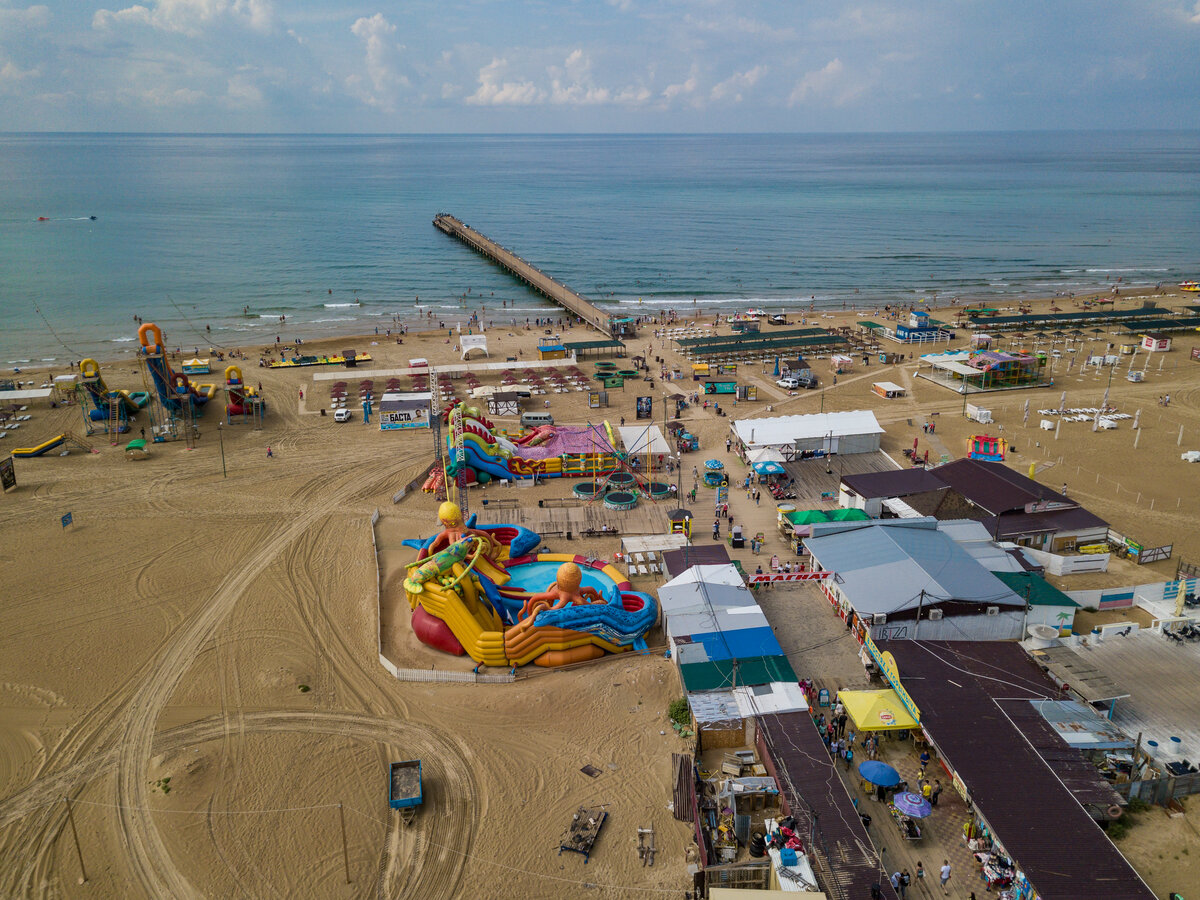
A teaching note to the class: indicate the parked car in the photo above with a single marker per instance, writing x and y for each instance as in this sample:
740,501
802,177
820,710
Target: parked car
342,415
790,383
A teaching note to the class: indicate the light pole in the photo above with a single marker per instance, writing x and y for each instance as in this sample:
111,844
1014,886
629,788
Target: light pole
221,441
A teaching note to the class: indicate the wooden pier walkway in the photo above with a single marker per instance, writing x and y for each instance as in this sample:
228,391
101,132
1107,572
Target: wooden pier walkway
533,276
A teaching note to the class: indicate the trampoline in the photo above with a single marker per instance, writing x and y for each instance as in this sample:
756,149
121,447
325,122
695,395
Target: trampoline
620,500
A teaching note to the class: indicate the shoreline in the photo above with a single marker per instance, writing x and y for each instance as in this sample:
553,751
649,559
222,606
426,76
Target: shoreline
123,350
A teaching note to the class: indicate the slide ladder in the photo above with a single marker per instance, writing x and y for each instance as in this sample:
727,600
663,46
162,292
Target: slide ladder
114,419
72,438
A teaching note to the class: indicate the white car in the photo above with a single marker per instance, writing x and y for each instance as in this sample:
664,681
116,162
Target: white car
342,415
790,383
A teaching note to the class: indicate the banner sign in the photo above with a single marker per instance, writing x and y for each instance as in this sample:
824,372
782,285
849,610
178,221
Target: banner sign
8,475
889,670
645,407
766,578
67,520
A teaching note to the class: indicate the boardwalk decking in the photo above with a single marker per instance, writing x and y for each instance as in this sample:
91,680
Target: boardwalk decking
551,287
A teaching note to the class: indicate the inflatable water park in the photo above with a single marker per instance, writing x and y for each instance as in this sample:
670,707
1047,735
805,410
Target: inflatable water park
546,451
485,592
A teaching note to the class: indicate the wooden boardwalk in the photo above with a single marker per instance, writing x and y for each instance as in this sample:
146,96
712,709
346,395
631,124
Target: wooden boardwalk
551,287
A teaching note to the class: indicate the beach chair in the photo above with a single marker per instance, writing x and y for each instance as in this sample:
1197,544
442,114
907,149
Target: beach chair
654,570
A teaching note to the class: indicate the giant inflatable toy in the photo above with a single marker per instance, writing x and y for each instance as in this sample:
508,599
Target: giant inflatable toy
485,593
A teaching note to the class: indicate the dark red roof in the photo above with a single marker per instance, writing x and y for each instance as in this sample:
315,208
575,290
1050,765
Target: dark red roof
894,483
811,789
993,486
679,561
958,686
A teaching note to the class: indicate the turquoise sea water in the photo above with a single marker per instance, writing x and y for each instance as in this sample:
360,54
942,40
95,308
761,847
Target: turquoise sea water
335,233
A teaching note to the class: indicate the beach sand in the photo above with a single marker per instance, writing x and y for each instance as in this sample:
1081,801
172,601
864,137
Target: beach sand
168,632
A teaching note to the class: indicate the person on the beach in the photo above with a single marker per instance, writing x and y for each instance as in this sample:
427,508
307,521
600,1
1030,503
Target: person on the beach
269,453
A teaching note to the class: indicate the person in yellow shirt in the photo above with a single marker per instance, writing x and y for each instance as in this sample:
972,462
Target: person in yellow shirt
926,790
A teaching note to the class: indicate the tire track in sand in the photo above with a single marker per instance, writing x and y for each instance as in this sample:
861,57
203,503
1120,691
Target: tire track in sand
151,862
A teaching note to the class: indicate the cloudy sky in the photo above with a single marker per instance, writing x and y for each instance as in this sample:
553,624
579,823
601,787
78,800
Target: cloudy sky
597,65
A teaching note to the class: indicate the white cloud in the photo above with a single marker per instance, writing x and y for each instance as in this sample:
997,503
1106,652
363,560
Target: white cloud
572,83
242,93
11,75
728,25
189,17
30,17
682,89
831,85
622,5
495,91
1195,18
163,96
382,57
732,87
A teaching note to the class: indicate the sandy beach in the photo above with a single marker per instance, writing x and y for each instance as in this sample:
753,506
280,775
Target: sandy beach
194,660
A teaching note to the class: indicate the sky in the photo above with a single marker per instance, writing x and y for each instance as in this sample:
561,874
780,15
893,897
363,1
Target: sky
597,66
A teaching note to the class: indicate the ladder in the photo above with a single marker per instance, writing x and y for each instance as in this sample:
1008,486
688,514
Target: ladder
114,418
460,458
76,440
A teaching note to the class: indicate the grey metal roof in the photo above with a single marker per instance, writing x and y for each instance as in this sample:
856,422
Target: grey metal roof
699,597
715,709
883,568
705,622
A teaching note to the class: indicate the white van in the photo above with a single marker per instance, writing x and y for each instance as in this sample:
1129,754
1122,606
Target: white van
536,419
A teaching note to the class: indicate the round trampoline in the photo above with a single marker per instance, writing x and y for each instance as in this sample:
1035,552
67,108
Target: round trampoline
628,373
658,490
585,492
620,500
621,480
604,366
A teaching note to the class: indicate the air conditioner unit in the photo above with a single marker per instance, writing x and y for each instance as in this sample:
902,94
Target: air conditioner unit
993,610
935,615
879,619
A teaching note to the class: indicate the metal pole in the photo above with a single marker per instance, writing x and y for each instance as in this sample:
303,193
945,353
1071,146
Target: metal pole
345,852
75,834
221,440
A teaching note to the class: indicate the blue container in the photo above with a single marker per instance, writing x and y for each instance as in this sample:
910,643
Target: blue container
787,856
404,784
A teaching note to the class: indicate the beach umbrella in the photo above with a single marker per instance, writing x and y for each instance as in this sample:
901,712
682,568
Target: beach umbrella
765,454
912,804
714,464
1076,333
769,468
1040,334
879,773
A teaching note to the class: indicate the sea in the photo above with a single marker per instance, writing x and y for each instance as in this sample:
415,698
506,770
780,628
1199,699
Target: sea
232,240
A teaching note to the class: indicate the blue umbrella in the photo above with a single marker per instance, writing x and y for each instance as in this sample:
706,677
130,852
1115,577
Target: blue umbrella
912,804
879,773
769,468
714,464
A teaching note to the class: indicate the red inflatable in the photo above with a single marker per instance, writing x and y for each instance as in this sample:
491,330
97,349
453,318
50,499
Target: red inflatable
434,632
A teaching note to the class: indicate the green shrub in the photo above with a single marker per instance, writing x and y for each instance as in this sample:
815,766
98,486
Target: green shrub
1116,829
1137,805
679,712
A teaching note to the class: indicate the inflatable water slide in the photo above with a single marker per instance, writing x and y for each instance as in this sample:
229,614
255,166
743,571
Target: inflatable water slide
98,392
484,593
172,387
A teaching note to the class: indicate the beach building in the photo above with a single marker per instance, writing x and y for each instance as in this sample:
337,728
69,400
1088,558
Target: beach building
814,434
1047,605
403,410
872,491
977,371
722,643
1034,800
918,329
1156,342
796,368
904,579
1016,508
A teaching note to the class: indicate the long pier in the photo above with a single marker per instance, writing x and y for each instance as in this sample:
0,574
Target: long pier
572,301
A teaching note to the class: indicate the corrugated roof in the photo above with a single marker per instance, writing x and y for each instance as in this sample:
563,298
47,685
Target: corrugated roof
994,487
681,626
897,483
1036,589
679,561
715,709
811,789
1089,682
726,673
1081,726
883,568
736,644
781,430
1016,524
1064,854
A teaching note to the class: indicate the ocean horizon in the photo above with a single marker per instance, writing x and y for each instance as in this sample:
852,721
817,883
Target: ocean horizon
214,237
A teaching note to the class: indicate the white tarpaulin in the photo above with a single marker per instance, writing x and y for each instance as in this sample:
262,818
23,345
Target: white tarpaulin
764,454
470,342
643,439
784,431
